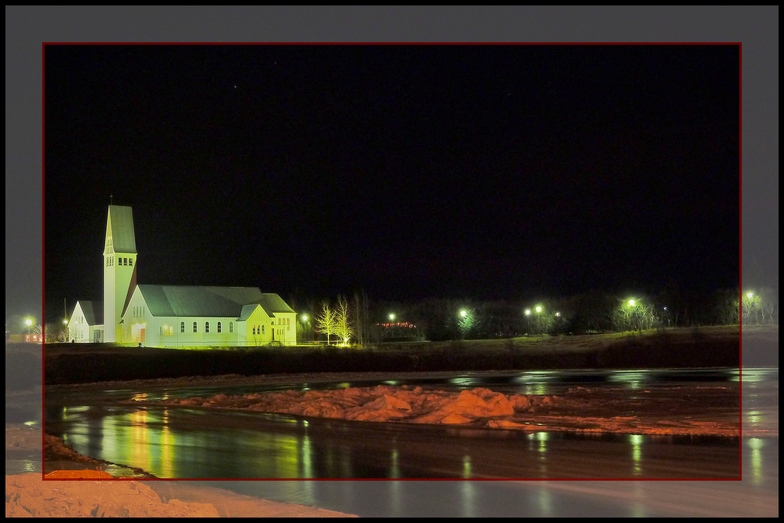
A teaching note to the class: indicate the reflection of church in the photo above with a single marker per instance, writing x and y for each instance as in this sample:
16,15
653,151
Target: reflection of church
173,315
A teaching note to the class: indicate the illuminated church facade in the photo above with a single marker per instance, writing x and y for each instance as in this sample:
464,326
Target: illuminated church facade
173,315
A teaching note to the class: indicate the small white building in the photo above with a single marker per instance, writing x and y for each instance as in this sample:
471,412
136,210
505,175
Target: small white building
86,323
173,315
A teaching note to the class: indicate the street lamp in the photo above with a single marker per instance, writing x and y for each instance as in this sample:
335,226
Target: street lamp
29,324
305,323
528,317
539,319
634,314
749,305
392,316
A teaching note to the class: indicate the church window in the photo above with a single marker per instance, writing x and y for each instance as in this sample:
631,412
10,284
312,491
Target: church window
130,261
182,326
262,329
231,327
219,327
195,329
206,326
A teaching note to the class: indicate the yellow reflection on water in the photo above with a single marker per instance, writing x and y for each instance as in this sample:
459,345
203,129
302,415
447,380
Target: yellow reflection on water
140,440
755,418
467,473
394,471
636,441
468,498
756,444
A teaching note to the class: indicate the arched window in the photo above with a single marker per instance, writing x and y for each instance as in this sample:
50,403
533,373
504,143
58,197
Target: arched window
219,327
262,329
231,327
182,326
195,327
206,326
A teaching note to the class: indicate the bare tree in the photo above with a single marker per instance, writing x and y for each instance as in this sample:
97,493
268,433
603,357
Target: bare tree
344,328
326,321
361,318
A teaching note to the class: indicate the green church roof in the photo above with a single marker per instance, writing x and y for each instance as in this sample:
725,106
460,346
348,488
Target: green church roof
197,301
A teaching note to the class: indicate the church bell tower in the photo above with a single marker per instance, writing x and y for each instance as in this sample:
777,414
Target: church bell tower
119,269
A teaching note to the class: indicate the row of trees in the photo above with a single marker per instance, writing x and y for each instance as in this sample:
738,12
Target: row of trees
360,322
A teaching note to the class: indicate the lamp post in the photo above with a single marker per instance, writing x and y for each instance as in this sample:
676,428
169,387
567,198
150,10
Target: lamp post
633,314
305,323
539,319
29,324
466,322
749,305
528,317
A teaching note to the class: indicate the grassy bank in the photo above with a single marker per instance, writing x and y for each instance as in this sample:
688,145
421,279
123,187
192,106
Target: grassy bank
706,347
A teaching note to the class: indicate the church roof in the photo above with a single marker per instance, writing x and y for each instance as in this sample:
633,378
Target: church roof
93,312
121,223
197,301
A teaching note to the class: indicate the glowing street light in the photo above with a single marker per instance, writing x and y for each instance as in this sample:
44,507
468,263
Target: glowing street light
539,309
528,317
306,324
463,313
29,324
392,316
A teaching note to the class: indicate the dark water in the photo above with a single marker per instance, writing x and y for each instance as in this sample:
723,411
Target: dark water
180,442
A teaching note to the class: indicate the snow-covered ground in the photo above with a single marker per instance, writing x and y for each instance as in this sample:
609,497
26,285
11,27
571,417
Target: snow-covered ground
81,491
708,410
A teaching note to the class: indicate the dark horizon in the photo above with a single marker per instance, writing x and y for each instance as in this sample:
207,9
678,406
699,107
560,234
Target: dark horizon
491,172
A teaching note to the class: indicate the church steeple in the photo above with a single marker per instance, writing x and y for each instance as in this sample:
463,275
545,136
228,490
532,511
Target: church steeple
119,268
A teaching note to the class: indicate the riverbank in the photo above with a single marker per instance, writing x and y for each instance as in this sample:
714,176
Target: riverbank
671,348
76,487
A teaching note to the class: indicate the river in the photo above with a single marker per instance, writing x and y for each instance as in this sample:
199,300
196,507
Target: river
177,442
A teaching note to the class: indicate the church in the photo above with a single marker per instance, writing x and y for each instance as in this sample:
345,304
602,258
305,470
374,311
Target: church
173,315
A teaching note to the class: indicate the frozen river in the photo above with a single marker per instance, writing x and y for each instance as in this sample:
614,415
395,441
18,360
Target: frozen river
178,442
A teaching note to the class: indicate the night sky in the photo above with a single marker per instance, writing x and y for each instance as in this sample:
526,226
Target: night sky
407,171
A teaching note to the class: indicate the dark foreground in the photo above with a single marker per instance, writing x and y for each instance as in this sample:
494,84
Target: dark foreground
674,348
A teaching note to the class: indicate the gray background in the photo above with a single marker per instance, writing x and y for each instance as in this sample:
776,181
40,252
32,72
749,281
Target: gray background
27,28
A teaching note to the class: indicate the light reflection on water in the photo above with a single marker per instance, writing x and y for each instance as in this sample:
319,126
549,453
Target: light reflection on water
193,443
176,443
